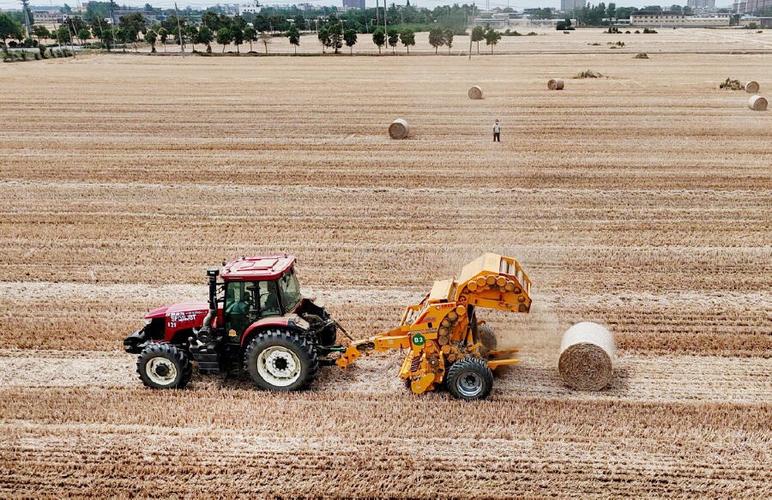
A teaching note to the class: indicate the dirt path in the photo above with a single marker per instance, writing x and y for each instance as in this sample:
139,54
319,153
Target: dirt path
637,378
96,316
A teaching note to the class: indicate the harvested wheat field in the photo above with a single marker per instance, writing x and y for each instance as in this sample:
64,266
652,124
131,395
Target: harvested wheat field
640,201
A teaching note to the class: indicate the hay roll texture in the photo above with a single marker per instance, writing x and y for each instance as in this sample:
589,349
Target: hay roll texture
399,129
475,92
586,357
758,103
751,87
555,84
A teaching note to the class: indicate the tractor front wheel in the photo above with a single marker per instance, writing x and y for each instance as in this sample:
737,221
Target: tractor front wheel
280,360
469,379
164,366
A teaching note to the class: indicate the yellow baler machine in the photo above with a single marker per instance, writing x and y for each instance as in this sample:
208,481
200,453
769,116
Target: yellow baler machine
442,333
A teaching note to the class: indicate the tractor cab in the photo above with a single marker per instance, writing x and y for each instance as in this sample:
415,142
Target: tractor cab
257,288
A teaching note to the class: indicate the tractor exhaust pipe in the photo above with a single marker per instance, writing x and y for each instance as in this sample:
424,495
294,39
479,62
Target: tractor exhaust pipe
212,275
203,344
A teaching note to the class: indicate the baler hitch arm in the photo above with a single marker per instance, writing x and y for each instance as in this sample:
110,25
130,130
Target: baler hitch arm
377,343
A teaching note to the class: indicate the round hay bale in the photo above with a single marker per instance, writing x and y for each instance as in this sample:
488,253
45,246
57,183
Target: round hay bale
475,92
399,129
586,357
751,87
555,84
758,103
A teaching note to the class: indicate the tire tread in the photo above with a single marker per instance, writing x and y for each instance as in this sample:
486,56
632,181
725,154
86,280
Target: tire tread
169,351
477,365
273,335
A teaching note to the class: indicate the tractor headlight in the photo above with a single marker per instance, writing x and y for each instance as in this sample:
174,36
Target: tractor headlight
148,321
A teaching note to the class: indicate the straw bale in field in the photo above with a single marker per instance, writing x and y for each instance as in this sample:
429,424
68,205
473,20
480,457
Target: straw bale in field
751,87
758,103
475,92
554,84
399,129
586,356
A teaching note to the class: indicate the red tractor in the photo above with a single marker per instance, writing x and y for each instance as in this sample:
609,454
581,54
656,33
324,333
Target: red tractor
256,321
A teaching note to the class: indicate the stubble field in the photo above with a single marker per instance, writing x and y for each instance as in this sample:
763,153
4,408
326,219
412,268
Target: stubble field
641,200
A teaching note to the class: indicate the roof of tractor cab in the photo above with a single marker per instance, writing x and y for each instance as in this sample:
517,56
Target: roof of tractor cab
262,267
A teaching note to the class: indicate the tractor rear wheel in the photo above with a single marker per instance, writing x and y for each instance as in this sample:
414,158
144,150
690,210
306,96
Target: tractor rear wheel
469,379
279,360
164,366
487,338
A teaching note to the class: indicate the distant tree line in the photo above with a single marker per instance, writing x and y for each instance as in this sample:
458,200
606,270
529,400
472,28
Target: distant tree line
333,29
333,32
400,17
202,28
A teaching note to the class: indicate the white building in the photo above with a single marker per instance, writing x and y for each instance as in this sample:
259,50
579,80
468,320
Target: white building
494,20
670,20
761,22
47,18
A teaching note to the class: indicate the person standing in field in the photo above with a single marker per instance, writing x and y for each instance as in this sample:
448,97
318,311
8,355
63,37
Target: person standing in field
496,131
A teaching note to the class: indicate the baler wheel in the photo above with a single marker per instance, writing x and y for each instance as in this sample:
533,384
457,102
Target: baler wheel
280,360
164,366
469,379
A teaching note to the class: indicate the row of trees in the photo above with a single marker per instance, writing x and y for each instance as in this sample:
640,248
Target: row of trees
490,36
593,15
225,30
392,37
400,17
332,35
76,28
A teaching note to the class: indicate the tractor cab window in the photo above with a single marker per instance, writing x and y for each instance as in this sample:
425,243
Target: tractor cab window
269,299
239,305
290,290
248,301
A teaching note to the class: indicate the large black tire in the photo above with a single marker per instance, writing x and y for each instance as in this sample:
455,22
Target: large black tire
487,338
469,379
164,366
280,360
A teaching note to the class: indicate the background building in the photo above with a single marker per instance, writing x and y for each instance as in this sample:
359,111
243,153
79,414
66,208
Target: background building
495,20
752,6
673,20
701,4
569,5
354,4
47,17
